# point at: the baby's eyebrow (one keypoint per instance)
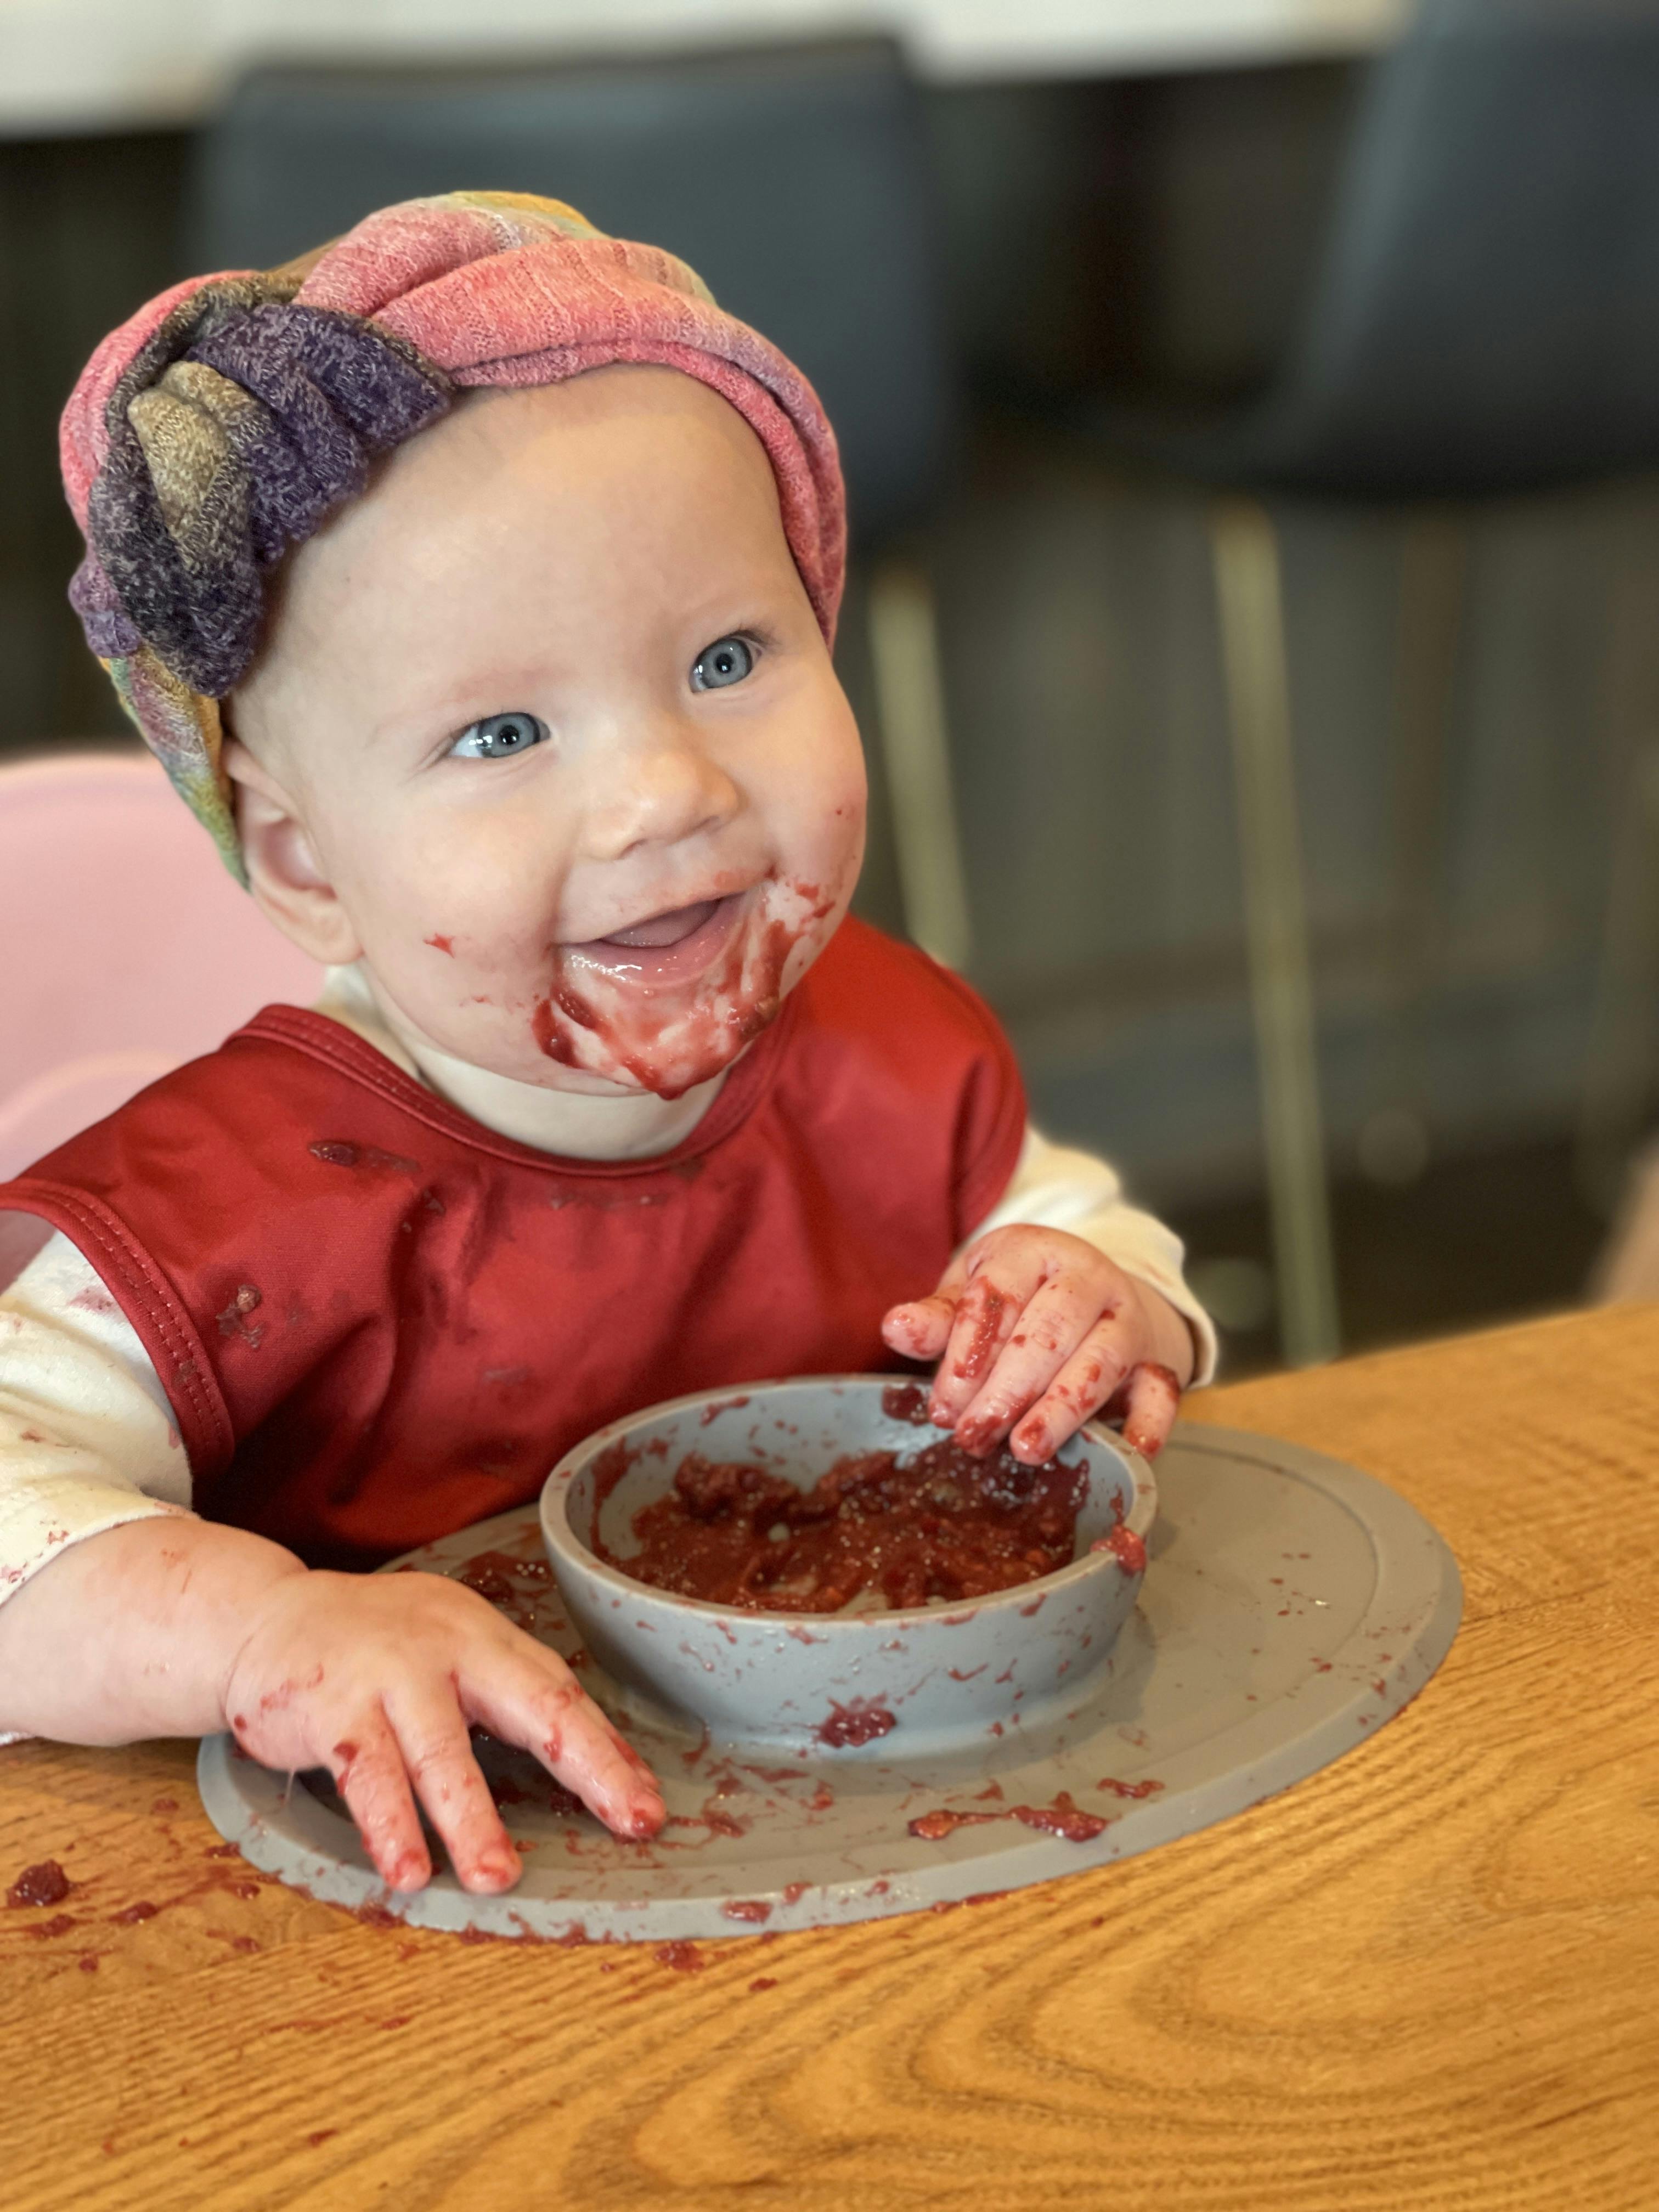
(430, 716)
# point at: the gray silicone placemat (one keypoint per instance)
(1291, 1606)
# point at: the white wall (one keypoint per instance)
(105, 64)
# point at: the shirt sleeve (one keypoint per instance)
(1055, 1187)
(87, 1437)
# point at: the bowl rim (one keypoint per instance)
(1138, 1519)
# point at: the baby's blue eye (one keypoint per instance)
(499, 736)
(728, 661)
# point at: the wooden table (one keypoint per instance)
(1425, 1978)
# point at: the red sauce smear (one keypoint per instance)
(1063, 1818)
(683, 1958)
(1126, 1546)
(906, 1401)
(861, 1721)
(495, 1574)
(46, 1884)
(987, 1327)
(942, 1525)
(498, 1578)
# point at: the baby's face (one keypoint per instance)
(547, 734)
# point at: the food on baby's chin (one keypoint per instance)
(943, 1526)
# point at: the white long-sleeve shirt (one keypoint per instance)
(86, 1436)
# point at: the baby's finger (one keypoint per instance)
(991, 1309)
(921, 1329)
(1053, 1329)
(536, 1702)
(1154, 1400)
(432, 1734)
(1086, 1381)
(368, 1773)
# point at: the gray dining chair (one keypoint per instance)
(797, 181)
(1484, 322)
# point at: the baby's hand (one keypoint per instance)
(377, 1677)
(1035, 1326)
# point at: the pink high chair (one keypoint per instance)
(127, 947)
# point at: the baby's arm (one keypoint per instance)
(128, 1617)
(1064, 1300)
(180, 1627)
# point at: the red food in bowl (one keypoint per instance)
(943, 1525)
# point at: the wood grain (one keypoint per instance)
(1424, 1979)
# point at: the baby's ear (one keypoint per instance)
(287, 881)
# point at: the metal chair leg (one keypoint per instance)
(1245, 551)
(1620, 1078)
(1621, 1063)
(1434, 559)
(915, 748)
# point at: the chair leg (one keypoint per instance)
(1434, 560)
(1245, 551)
(1620, 1063)
(916, 749)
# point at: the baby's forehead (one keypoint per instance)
(652, 427)
(618, 464)
(621, 402)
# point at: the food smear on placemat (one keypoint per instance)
(940, 1526)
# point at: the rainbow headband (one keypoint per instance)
(224, 421)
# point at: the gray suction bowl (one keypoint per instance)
(850, 1685)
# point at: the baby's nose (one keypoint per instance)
(657, 791)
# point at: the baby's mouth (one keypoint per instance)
(674, 946)
(680, 922)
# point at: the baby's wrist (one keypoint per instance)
(1175, 1340)
(270, 1585)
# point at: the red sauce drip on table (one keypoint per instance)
(683, 1958)
(46, 1884)
(944, 1525)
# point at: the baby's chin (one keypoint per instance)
(596, 1029)
(590, 1057)
(599, 1017)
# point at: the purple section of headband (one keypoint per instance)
(184, 562)
(109, 632)
(335, 390)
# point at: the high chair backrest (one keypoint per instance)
(124, 947)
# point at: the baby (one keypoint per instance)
(475, 578)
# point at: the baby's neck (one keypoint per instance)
(573, 1124)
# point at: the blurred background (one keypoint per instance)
(1251, 411)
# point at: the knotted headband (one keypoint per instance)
(223, 423)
